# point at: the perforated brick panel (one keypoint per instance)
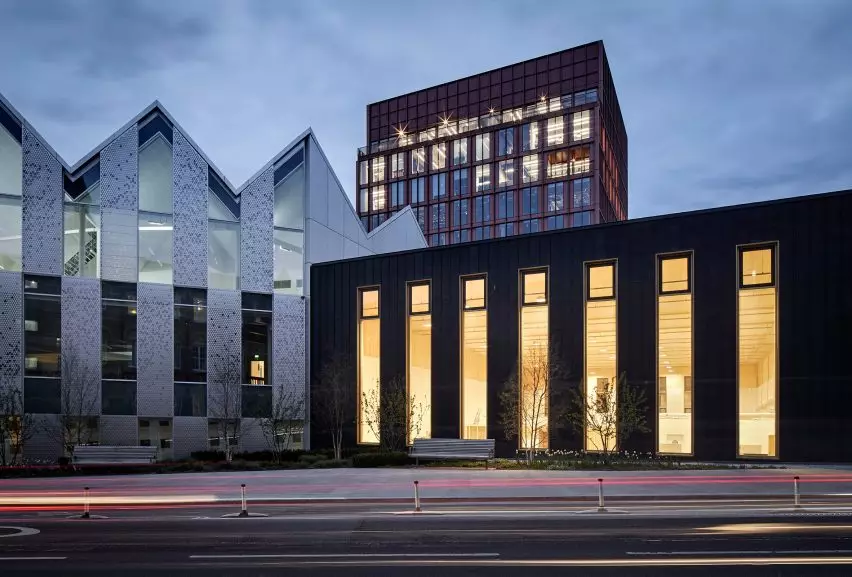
(81, 335)
(256, 234)
(41, 208)
(11, 330)
(155, 350)
(45, 446)
(119, 204)
(224, 321)
(190, 214)
(119, 430)
(288, 347)
(190, 434)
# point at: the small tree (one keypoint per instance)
(609, 416)
(334, 398)
(16, 426)
(393, 416)
(80, 389)
(225, 396)
(287, 418)
(527, 398)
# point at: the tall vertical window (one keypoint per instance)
(482, 209)
(397, 194)
(555, 197)
(474, 359)
(581, 193)
(398, 165)
(529, 137)
(364, 203)
(505, 141)
(377, 166)
(257, 339)
(11, 175)
(81, 238)
(363, 172)
(438, 215)
(757, 346)
(223, 242)
(506, 204)
(555, 131)
(601, 355)
(459, 151)
(288, 235)
(439, 156)
(378, 196)
(530, 169)
(419, 366)
(438, 185)
(42, 326)
(529, 201)
(368, 362)
(418, 190)
(460, 182)
(482, 145)
(534, 362)
(674, 354)
(190, 336)
(418, 160)
(483, 177)
(155, 175)
(506, 173)
(461, 213)
(118, 345)
(581, 161)
(581, 125)
(557, 164)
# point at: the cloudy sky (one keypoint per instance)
(724, 101)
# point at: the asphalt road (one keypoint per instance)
(511, 543)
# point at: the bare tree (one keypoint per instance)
(334, 398)
(527, 398)
(16, 426)
(393, 416)
(80, 389)
(607, 416)
(225, 396)
(287, 419)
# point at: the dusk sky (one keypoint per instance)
(724, 101)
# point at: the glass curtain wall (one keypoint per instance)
(82, 235)
(601, 360)
(155, 210)
(368, 362)
(42, 333)
(757, 343)
(288, 234)
(11, 172)
(674, 354)
(474, 358)
(534, 362)
(419, 361)
(223, 240)
(118, 358)
(190, 352)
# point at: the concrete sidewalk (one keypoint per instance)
(378, 485)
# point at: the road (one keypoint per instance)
(447, 540)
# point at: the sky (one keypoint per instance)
(724, 101)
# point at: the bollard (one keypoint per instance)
(416, 497)
(85, 514)
(244, 510)
(796, 503)
(600, 496)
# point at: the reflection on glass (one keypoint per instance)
(224, 257)
(368, 362)
(601, 358)
(155, 176)
(10, 234)
(474, 357)
(289, 200)
(155, 248)
(419, 362)
(288, 261)
(534, 362)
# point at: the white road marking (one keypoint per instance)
(32, 558)
(21, 531)
(353, 556)
(786, 552)
(673, 562)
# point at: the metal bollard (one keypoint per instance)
(600, 496)
(416, 497)
(796, 503)
(244, 510)
(85, 514)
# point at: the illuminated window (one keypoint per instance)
(482, 143)
(378, 169)
(474, 357)
(555, 131)
(398, 165)
(363, 172)
(379, 195)
(529, 137)
(557, 164)
(581, 162)
(459, 151)
(439, 156)
(757, 343)
(419, 361)
(418, 160)
(368, 362)
(530, 169)
(483, 177)
(581, 125)
(534, 360)
(601, 357)
(674, 355)
(506, 173)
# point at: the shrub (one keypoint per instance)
(207, 456)
(310, 459)
(329, 464)
(393, 459)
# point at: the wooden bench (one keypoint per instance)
(476, 449)
(100, 455)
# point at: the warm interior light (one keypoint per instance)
(491, 110)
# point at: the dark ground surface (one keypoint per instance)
(355, 544)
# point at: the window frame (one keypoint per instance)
(588, 266)
(411, 285)
(472, 277)
(674, 256)
(744, 248)
(523, 273)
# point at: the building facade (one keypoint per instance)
(732, 322)
(538, 145)
(144, 299)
